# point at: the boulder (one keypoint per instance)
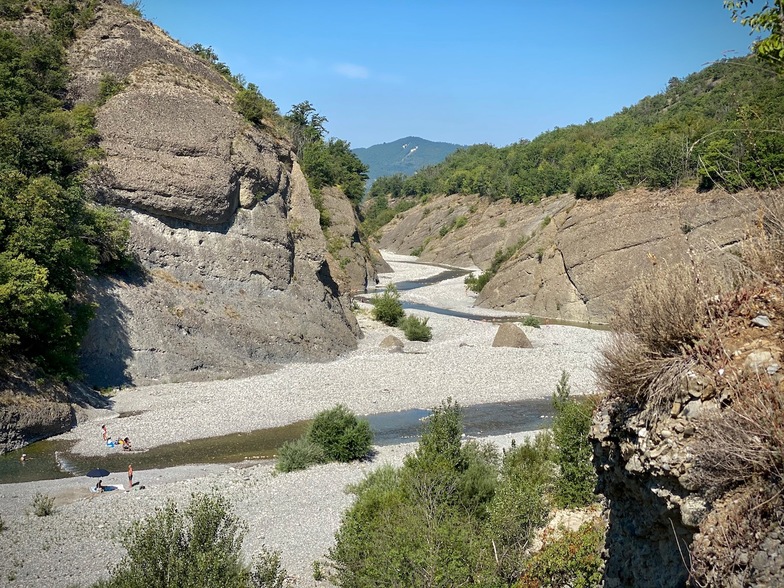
(510, 335)
(392, 343)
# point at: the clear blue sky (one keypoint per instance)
(458, 71)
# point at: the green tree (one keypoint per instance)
(572, 423)
(306, 126)
(190, 548)
(769, 19)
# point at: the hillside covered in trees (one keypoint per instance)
(722, 126)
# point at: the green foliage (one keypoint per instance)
(454, 514)
(267, 571)
(43, 505)
(770, 20)
(377, 211)
(50, 235)
(387, 307)
(341, 435)
(571, 425)
(415, 328)
(250, 103)
(476, 283)
(460, 222)
(532, 321)
(299, 455)
(591, 184)
(657, 143)
(306, 126)
(109, 86)
(197, 546)
(332, 163)
(567, 558)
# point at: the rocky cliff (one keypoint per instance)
(573, 259)
(688, 441)
(235, 274)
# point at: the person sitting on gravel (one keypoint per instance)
(126, 444)
(99, 486)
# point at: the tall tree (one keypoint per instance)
(770, 19)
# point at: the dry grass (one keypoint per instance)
(745, 441)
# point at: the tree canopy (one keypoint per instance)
(51, 235)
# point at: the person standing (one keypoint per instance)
(104, 432)
(130, 477)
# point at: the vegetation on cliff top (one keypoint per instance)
(721, 126)
(51, 236)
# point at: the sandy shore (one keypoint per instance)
(296, 513)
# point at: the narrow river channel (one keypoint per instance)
(52, 459)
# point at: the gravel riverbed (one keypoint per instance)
(296, 513)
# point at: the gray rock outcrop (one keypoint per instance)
(574, 259)
(234, 272)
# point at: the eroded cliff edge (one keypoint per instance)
(235, 271)
(574, 259)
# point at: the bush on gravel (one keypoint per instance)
(299, 455)
(341, 435)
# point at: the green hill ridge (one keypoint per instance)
(404, 156)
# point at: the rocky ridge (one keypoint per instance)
(235, 276)
(573, 259)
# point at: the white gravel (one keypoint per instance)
(295, 513)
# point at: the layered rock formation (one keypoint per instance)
(573, 259)
(235, 274)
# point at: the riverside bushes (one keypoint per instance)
(388, 309)
(571, 425)
(454, 514)
(197, 546)
(335, 435)
(341, 435)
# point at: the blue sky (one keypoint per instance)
(456, 71)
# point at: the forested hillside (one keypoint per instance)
(51, 236)
(721, 126)
(404, 156)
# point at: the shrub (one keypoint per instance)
(250, 103)
(567, 558)
(43, 505)
(416, 329)
(109, 86)
(460, 222)
(592, 184)
(196, 546)
(341, 435)
(299, 455)
(532, 321)
(267, 571)
(572, 423)
(387, 308)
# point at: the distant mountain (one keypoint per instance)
(404, 156)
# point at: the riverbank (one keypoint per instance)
(295, 513)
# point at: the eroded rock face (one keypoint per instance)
(234, 271)
(579, 256)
